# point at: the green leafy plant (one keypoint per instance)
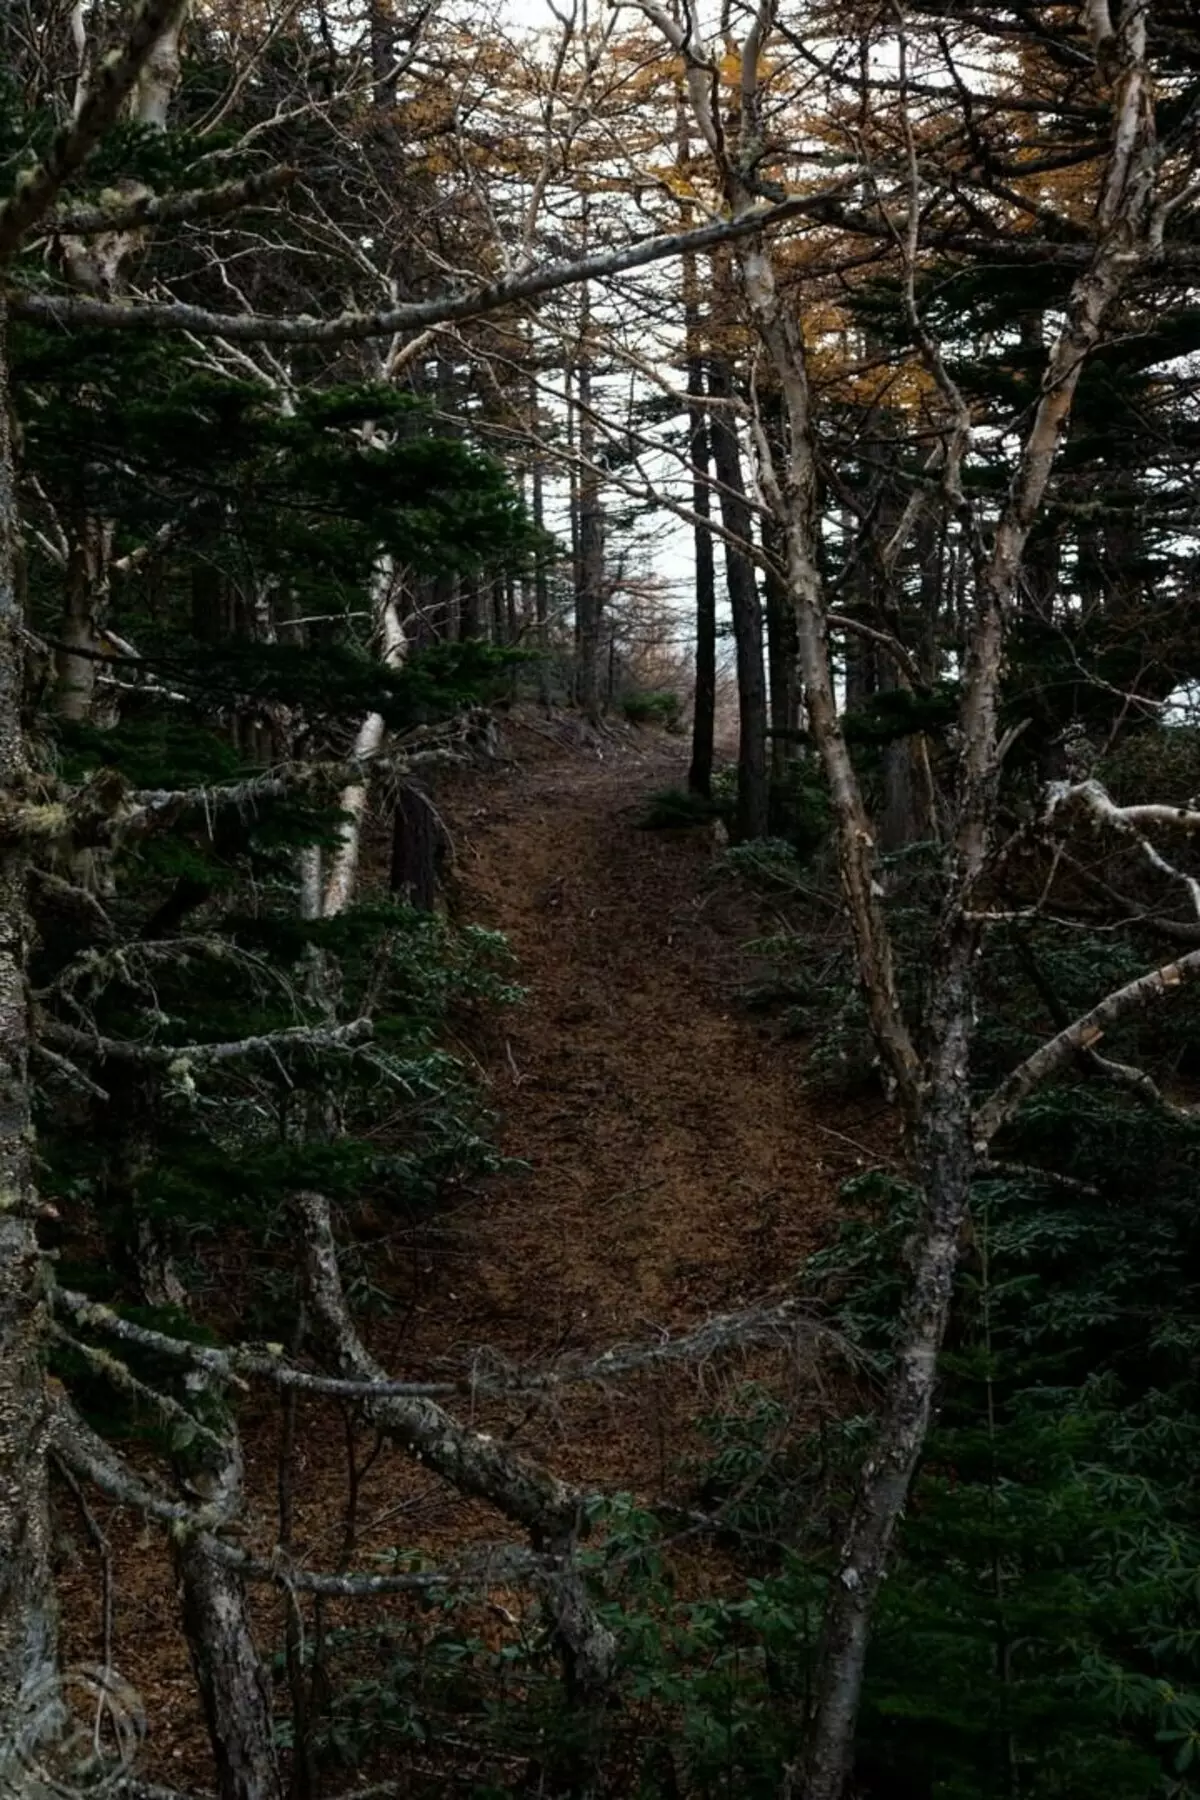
(676, 809)
(655, 706)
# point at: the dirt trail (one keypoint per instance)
(676, 1164)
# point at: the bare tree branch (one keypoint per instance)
(1080, 1035)
(179, 1058)
(250, 327)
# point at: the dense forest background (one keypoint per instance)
(795, 405)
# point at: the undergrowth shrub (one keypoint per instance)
(654, 706)
(799, 807)
(674, 809)
(404, 1118)
(1039, 1633)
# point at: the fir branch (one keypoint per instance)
(130, 1788)
(36, 188)
(473, 1462)
(232, 1364)
(182, 1058)
(169, 1410)
(80, 901)
(91, 1459)
(171, 209)
(128, 962)
(104, 810)
(990, 1169)
(783, 1327)
(1128, 821)
(72, 1074)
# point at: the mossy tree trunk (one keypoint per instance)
(28, 1614)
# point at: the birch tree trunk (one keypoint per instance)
(367, 744)
(88, 551)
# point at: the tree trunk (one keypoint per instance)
(382, 23)
(902, 815)
(589, 595)
(753, 786)
(417, 845)
(97, 265)
(393, 648)
(231, 1678)
(28, 1614)
(86, 591)
(946, 1164)
(783, 648)
(541, 585)
(234, 1688)
(469, 608)
(704, 700)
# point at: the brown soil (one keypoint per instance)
(674, 1165)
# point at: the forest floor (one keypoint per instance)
(668, 1163)
(675, 1164)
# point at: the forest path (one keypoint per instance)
(677, 1166)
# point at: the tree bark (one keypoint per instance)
(704, 697)
(417, 846)
(234, 1686)
(783, 649)
(752, 820)
(589, 593)
(381, 17)
(541, 582)
(84, 604)
(393, 647)
(946, 1163)
(28, 1613)
(901, 814)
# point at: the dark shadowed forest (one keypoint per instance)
(599, 900)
